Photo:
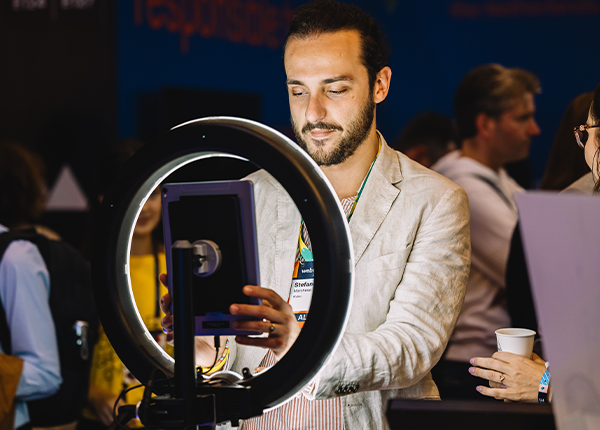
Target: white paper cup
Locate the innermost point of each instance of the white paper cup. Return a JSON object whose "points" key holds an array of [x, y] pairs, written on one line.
{"points": [[516, 340]]}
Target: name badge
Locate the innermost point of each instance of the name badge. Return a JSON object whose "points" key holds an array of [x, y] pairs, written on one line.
{"points": [[302, 288]]}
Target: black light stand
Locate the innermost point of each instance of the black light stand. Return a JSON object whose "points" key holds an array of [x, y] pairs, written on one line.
{"points": [[195, 401], [219, 399], [183, 325]]}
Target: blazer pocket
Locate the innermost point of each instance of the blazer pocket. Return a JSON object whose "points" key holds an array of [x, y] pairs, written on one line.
{"points": [[385, 274]]}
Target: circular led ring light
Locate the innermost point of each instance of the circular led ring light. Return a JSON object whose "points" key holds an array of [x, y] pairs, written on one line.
{"points": [[312, 194]]}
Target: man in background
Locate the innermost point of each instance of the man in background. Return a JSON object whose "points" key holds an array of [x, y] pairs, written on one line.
{"points": [[427, 137], [27, 330], [494, 108]]}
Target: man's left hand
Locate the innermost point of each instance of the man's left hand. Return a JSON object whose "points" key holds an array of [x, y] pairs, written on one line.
{"points": [[277, 319], [519, 376]]}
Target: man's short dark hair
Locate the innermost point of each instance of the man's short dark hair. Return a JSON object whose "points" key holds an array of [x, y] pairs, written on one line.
{"points": [[432, 129], [330, 16], [490, 89]]}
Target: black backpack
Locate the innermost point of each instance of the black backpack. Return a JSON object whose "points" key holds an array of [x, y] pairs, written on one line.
{"points": [[76, 322]]}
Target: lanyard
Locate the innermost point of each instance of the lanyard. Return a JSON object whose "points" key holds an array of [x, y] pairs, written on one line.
{"points": [[305, 253], [362, 186]]}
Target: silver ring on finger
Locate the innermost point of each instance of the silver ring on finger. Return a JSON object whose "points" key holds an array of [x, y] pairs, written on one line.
{"points": [[502, 378], [272, 328]]}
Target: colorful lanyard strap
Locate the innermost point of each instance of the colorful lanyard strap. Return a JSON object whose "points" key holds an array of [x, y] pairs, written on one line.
{"points": [[364, 182], [305, 253]]}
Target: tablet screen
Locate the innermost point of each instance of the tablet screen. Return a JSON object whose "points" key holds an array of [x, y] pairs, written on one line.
{"points": [[216, 218]]}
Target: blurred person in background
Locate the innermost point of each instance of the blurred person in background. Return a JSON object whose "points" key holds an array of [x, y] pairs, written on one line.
{"points": [[109, 376], [566, 170], [494, 108], [427, 137], [517, 378], [565, 164], [33, 370]]}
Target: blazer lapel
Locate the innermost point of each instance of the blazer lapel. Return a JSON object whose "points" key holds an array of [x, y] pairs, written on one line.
{"points": [[376, 199]]}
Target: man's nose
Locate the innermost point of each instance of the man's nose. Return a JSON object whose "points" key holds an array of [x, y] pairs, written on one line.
{"points": [[315, 111], [534, 128]]}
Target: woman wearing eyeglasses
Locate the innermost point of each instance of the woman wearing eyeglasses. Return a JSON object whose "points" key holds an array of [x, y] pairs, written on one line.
{"points": [[587, 138], [511, 376]]}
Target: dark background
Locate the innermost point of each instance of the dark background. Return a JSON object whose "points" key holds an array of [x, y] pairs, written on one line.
{"points": [[78, 74]]}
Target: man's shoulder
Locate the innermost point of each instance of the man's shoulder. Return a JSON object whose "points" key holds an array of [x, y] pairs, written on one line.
{"points": [[419, 179], [472, 176], [261, 177], [583, 185], [22, 253], [454, 165], [264, 184], [22, 262]]}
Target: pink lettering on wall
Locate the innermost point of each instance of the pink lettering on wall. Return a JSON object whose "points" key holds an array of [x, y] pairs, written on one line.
{"points": [[251, 22]]}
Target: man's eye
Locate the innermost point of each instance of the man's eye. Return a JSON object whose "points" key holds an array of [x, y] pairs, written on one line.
{"points": [[298, 93], [337, 92]]}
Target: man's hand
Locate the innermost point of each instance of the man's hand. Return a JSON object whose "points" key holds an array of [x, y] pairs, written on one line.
{"points": [[277, 313], [519, 376], [280, 324], [205, 348]]}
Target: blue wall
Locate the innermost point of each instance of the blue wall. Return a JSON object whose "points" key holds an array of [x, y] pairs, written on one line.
{"points": [[234, 45]]}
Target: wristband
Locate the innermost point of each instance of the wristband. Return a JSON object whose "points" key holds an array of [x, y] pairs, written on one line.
{"points": [[543, 391]]}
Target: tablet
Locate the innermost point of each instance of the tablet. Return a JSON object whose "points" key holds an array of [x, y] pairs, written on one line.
{"points": [[220, 216]]}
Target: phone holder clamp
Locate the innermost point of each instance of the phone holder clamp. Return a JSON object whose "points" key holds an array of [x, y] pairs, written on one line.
{"points": [[208, 256]]}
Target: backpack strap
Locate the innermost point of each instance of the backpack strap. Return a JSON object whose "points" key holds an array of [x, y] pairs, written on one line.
{"points": [[495, 187]]}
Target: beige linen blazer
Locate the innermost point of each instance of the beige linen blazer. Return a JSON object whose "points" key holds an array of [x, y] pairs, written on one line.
{"points": [[410, 235]]}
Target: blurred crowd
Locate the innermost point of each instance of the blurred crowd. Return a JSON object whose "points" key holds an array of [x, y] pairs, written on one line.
{"points": [[492, 126]]}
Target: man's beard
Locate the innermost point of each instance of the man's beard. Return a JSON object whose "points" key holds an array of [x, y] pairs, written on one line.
{"points": [[357, 132]]}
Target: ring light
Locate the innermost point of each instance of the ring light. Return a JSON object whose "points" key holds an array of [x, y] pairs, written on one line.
{"points": [[309, 189]]}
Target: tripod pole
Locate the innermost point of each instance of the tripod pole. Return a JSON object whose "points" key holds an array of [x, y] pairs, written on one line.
{"points": [[184, 328]]}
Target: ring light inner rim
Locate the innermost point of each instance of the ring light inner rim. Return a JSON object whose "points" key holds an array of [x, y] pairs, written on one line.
{"points": [[126, 236]]}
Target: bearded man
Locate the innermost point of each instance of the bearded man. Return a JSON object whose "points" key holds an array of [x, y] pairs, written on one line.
{"points": [[409, 227]]}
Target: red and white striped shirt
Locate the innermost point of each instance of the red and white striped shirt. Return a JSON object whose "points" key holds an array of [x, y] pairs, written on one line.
{"points": [[301, 413]]}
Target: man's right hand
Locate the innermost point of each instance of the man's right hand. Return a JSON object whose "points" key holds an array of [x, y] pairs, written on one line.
{"points": [[205, 348]]}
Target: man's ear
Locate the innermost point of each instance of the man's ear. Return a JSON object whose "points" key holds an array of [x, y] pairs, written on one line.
{"points": [[486, 125], [382, 85]]}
